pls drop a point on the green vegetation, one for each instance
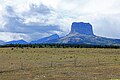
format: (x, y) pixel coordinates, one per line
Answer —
(59, 46)
(59, 64)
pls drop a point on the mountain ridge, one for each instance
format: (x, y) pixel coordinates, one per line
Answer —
(17, 42)
(81, 33)
(48, 39)
(2, 42)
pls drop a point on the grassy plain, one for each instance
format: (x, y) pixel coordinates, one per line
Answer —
(59, 64)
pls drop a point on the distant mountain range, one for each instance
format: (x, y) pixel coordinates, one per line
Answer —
(81, 33)
(17, 42)
(2, 42)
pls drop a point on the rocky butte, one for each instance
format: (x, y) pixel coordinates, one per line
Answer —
(82, 33)
(81, 28)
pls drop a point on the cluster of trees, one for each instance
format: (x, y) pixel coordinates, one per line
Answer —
(59, 46)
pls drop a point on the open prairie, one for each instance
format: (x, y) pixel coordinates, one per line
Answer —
(59, 64)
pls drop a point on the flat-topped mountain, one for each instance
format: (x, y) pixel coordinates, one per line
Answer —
(81, 28)
(82, 33)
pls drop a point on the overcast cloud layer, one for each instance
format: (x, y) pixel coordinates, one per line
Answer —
(34, 19)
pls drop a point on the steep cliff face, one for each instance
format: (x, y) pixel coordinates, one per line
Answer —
(81, 28)
(82, 33)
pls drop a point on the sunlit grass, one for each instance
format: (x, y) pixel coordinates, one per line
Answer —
(59, 64)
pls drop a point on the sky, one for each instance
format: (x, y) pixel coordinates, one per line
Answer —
(35, 19)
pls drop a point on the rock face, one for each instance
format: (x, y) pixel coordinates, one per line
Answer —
(81, 28)
(82, 33)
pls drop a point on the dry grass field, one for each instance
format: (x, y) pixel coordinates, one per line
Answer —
(59, 64)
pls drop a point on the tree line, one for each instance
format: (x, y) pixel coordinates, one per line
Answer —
(59, 46)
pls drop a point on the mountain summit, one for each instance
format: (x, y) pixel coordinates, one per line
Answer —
(82, 33)
(81, 28)
(49, 39)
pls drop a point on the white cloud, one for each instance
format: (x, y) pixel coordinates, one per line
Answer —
(38, 18)
(8, 36)
(91, 6)
(107, 25)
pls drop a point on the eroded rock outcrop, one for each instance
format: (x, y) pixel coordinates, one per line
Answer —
(81, 28)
